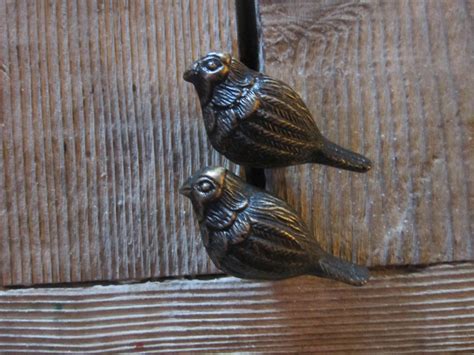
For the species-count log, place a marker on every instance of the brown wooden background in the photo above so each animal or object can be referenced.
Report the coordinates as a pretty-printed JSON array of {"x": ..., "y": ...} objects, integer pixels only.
[
  {"x": 389, "y": 79},
  {"x": 98, "y": 130},
  {"x": 398, "y": 312}
]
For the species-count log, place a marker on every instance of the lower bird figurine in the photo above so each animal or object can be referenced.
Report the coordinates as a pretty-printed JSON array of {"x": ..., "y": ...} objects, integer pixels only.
[{"x": 251, "y": 234}]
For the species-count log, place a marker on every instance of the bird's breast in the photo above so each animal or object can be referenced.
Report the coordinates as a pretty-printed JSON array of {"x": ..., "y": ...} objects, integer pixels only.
[{"x": 209, "y": 117}]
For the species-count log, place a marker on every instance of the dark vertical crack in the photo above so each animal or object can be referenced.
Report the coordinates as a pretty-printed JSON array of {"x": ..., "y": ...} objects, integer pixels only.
[{"x": 250, "y": 49}]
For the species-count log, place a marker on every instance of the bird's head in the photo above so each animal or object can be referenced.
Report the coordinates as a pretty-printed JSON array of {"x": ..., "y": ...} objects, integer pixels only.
[
  {"x": 204, "y": 187},
  {"x": 214, "y": 185},
  {"x": 208, "y": 72}
]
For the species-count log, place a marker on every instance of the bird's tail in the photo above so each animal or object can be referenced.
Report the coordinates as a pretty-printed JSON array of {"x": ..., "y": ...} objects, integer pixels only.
[
  {"x": 334, "y": 268},
  {"x": 333, "y": 155}
]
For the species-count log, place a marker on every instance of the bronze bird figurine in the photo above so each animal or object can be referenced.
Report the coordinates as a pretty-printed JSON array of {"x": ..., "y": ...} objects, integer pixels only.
[
  {"x": 251, "y": 234},
  {"x": 260, "y": 122}
]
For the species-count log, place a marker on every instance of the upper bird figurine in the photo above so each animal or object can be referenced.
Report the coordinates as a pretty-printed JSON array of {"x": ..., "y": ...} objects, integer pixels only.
[
  {"x": 257, "y": 121},
  {"x": 251, "y": 234}
]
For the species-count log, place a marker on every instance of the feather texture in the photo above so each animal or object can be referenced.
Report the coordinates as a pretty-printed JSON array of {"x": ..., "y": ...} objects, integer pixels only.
[
  {"x": 250, "y": 233},
  {"x": 258, "y": 121}
]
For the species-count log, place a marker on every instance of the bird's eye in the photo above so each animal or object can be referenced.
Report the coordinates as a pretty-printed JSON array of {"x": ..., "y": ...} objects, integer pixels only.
[
  {"x": 212, "y": 64},
  {"x": 205, "y": 186}
]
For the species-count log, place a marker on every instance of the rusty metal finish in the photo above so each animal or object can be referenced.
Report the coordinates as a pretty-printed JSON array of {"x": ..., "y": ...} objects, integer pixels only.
[
  {"x": 258, "y": 121},
  {"x": 251, "y": 234}
]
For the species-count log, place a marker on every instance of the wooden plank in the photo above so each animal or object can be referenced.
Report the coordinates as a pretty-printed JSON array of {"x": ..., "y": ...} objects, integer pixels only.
[
  {"x": 392, "y": 80},
  {"x": 428, "y": 310},
  {"x": 97, "y": 132}
]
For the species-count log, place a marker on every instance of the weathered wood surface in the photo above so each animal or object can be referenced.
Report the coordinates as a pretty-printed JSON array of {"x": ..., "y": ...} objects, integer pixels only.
[
  {"x": 97, "y": 131},
  {"x": 429, "y": 310},
  {"x": 393, "y": 80}
]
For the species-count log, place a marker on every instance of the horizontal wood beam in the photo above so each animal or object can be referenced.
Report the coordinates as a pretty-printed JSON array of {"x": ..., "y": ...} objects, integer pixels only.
[{"x": 424, "y": 310}]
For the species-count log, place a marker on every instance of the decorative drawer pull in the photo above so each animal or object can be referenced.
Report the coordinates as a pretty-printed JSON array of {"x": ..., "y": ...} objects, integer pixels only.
[
  {"x": 251, "y": 234},
  {"x": 260, "y": 122}
]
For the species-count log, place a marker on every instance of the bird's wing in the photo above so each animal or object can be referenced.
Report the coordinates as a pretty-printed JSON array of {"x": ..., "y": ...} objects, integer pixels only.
[
  {"x": 275, "y": 223},
  {"x": 284, "y": 105},
  {"x": 280, "y": 116},
  {"x": 275, "y": 243}
]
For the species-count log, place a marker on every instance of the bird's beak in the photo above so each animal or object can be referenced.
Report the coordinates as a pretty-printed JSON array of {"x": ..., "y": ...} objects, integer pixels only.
[
  {"x": 190, "y": 74},
  {"x": 185, "y": 189}
]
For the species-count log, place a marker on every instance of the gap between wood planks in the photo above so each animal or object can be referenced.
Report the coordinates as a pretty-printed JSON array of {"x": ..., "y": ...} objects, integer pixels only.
[
  {"x": 430, "y": 310},
  {"x": 375, "y": 272}
]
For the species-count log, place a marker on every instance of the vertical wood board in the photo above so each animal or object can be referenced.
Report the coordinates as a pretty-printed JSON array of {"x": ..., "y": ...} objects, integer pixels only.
[
  {"x": 392, "y": 80},
  {"x": 97, "y": 132}
]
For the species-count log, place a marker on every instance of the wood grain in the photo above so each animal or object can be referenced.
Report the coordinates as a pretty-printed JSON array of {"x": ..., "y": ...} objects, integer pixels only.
[
  {"x": 427, "y": 310},
  {"x": 97, "y": 132},
  {"x": 392, "y": 80}
]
